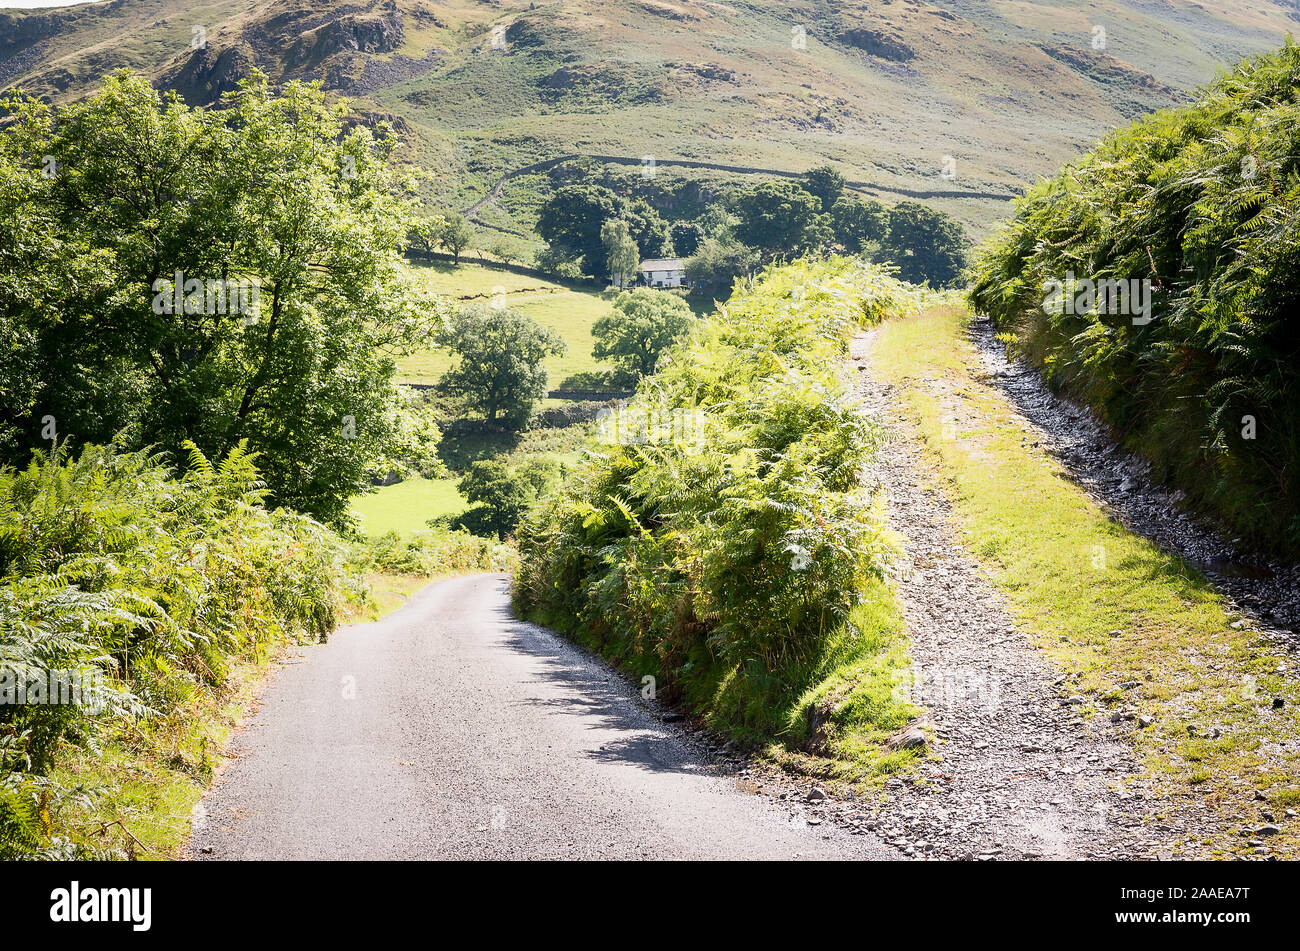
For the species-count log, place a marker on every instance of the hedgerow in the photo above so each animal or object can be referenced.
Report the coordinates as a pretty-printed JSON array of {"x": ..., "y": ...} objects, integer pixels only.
[
  {"x": 720, "y": 534},
  {"x": 146, "y": 586},
  {"x": 1202, "y": 202},
  {"x": 434, "y": 553}
]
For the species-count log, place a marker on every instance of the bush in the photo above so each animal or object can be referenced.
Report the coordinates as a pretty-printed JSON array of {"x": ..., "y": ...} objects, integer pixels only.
[
  {"x": 146, "y": 585},
  {"x": 1200, "y": 203},
  {"x": 719, "y": 535},
  {"x": 500, "y": 495},
  {"x": 434, "y": 553}
]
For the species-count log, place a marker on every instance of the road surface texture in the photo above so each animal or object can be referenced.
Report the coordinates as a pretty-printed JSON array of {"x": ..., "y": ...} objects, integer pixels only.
[{"x": 451, "y": 730}]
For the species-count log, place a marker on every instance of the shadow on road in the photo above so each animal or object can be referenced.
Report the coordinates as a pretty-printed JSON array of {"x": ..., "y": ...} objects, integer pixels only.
[{"x": 592, "y": 688}]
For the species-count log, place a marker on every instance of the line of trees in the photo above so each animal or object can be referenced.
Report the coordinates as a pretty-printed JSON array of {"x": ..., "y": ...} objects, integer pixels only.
[
  {"x": 591, "y": 229},
  {"x": 449, "y": 231}
]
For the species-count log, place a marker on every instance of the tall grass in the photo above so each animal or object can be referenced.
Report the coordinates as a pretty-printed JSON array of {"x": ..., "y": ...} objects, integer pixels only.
[
  {"x": 1204, "y": 203},
  {"x": 721, "y": 536}
]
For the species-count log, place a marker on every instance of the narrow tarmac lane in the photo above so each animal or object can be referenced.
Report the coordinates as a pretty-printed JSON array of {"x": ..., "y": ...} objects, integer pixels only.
[{"x": 451, "y": 730}]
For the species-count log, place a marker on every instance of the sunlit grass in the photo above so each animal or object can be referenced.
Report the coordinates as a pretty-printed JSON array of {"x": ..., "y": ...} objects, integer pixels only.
[
  {"x": 406, "y": 506},
  {"x": 1074, "y": 576},
  {"x": 568, "y": 311}
]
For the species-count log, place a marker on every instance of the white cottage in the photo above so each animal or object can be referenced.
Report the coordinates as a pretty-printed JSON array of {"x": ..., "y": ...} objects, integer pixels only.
[{"x": 665, "y": 272}]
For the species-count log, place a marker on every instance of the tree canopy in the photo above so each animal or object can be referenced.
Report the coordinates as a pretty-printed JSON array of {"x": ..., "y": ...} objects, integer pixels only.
[
  {"x": 687, "y": 237},
  {"x": 500, "y": 495},
  {"x": 621, "y": 254},
  {"x": 498, "y": 370},
  {"x": 571, "y": 220},
  {"x": 643, "y": 323},
  {"x": 927, "y": 245},
  {"x": 717, "y": 263},
  {"x": 826, "y": 184},
  {"x": 780, "y": 217},
  {"x": 860, "y": 225},
  {"x": 455, "y": 234},
  {"x": 214, "y": 276}
]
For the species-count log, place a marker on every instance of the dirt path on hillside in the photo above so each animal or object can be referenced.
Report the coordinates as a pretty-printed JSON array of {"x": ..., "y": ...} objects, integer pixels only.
[{"x": 1022, "y": 775}]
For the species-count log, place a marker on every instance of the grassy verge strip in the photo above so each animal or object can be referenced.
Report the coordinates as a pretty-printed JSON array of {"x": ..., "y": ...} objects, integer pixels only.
[{"x": 1139, "y": 633}]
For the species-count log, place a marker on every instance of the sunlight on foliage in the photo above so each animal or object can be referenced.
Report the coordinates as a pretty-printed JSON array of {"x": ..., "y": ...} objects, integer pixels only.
[
  {"x": 722, "y": 536},
  {"x": 1204, "y": 203}
]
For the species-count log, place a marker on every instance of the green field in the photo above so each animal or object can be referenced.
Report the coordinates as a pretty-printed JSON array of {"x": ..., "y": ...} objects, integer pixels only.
[
  {"x": 405, "y": 506},
  {"x": 568, "y": 311}
]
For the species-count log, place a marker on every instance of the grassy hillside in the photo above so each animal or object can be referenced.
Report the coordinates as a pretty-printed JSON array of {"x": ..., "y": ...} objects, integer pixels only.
[
  {"x": 567, "y": 310},
  {"x": 884, "y": 90}
]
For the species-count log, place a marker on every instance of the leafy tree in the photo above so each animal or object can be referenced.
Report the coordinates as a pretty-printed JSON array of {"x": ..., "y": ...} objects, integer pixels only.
[
  {"x": 826, "y": 183},
  {"x": 552, "y": 260},
  {"x": 718, "y": 263},
  {"x": 507, "y": 251},
  {"x": 455, "y": 235},
  {"x": 780, "y": 217},
  {"x": 423, "y": 235},
  {"x": 859, "y": 225},
  {"x": 621, "y": 254},
  {"x": 927, "y": 245},
  {"x": 142, "y": 193},
  {"x": 687, "y": 236},
  {"x": 498, "y": 370},
  {"x": 571, "y": 220},
  {"x": 648, "y": 228},
  {"x": 501, "y": 495},
  {"x": 642, "y": 325}
]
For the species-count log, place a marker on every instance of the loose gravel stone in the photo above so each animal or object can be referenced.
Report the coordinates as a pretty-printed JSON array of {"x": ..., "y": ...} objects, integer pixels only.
[
  {"x": 1266, "y": 591},
  {"x": 1022, "y": 774}
]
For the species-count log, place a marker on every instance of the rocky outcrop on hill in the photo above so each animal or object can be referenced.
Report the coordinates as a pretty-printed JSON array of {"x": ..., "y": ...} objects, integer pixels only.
[
  {"x": 19, "y": 31},
  {"x": 377, "y": 33},
  {"x": 878, "y": 44},
  {"x": 337, "y": 46},
  {"x": 602, "y": 83},
  {"x": 377, "y": 121},
  {"x": 1104, "y": 68},
  {"x": 210, "y": 72},
  {"x": 22, "y": 42},
  {"x": 709, "y": 71}
]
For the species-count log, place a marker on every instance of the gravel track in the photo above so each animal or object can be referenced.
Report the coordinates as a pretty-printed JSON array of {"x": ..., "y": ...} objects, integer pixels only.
[
  {"x": 1267, "y": 591},
  {"x": 1021, "y": 775},
  {"x": 475, "y": 735}
]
